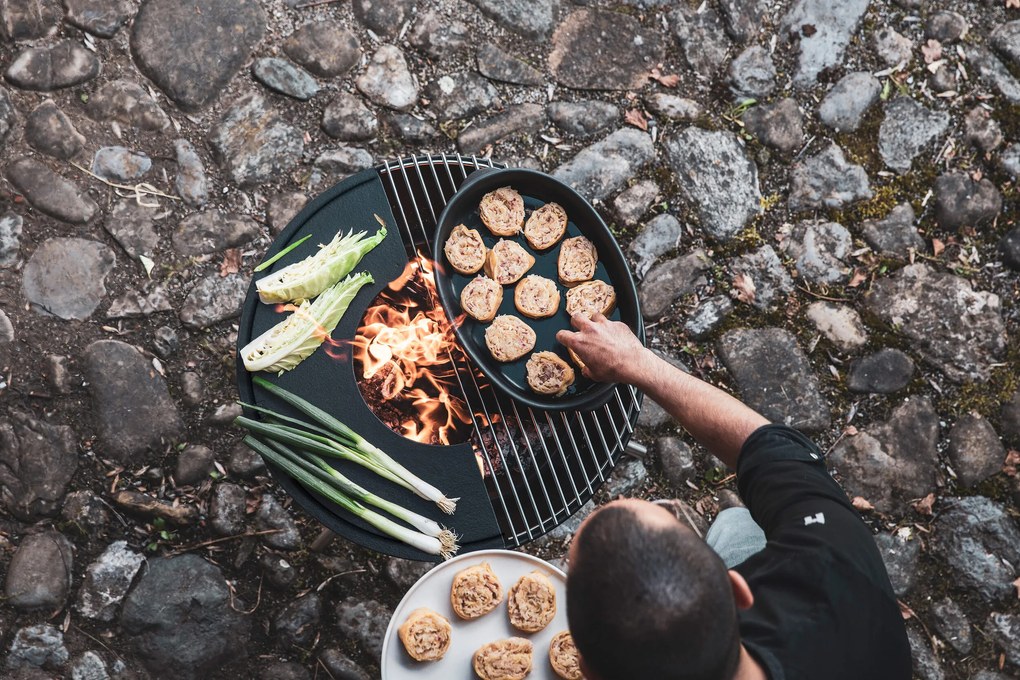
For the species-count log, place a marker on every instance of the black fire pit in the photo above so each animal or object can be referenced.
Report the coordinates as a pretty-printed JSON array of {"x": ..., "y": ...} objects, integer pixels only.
[{"x": 539, "y": 467}]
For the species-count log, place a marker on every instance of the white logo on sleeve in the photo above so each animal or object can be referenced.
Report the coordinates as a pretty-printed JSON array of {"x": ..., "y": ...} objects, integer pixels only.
[{"x": 818, "y": 518}]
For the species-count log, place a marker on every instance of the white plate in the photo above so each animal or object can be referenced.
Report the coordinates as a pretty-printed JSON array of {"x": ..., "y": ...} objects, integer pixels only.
[{"x": 433, "y": 591}]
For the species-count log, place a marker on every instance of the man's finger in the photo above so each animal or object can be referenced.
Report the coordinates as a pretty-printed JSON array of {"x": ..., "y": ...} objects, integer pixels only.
[
  {"x": 598, "y": 317},
  {"x": 580, "y": 321},
  {"x": 566, "y": 338}
]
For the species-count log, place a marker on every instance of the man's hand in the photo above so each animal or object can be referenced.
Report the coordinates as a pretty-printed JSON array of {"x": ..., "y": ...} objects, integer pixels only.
[{"x": 609, "y": 349}]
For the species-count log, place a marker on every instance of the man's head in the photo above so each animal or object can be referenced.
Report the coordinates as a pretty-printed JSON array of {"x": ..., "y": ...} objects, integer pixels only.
[{"x": 647, "y": 598}]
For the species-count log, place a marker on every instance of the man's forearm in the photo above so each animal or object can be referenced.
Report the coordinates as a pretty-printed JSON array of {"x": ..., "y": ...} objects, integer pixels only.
[{"x": 720, "y": 422}]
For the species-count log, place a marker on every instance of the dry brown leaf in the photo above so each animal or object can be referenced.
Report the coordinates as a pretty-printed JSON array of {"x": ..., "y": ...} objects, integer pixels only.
[
  {"x": 924, "y": 506},
  {"x": 858, "y": 278},
  {"x": 1009, "y": 466},
  {"x": 932, "y": 51},
  {"x": 637, "y": 119},
  {"x": 671, "y": 80},
  {"x": 743, "y": 288},
  {"x": 937, "y": 246},
  {"x": 850, "y": 431},
  {"x": 905, "y": 610},
  {"x": 231, "y": 261},
  {"x": 861, "y": 504}
]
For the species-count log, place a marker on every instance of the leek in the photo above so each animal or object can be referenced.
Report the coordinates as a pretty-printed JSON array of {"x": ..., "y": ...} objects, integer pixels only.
[
  {"x": 354, "y": 444},
  {"x": 291, "y": 341},
  {"x": 309, "y": 277},
  {"x": 271, "y": 261},
  {"x": 444, "y": 546}
]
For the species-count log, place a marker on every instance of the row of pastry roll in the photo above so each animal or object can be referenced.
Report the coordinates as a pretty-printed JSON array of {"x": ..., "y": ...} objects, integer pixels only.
[{"x": 477, "y": 591}]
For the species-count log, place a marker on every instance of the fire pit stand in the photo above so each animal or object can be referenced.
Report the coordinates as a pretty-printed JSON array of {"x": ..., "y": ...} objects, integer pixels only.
[{"x": 537, "y": 467}]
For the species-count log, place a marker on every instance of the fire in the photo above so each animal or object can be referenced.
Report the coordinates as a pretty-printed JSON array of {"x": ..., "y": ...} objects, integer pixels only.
[{"x": 406, "y": 344}]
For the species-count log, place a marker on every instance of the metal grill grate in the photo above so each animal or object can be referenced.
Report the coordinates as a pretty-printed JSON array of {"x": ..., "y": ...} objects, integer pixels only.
[{"x": 542, "y": 466}]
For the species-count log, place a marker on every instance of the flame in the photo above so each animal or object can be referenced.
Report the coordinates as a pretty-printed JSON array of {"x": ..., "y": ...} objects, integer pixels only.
[{"x": 408, "y": 347}]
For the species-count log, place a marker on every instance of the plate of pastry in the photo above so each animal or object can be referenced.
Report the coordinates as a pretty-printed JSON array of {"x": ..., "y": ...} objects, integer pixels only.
[
  {"x": 487, "y": 614},
  {"x": 517, "y": 252}
]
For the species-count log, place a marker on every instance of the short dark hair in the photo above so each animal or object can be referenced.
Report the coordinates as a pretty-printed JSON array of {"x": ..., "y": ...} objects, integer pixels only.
[{"x": 650, "y": 601}]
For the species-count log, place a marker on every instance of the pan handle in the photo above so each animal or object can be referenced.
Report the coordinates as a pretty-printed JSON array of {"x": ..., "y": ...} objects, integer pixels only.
[{"x": 476, "y": 176}]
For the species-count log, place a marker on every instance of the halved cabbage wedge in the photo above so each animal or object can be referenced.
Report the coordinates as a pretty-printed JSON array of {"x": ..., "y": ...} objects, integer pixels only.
[
  {"x": 307, "y": 278},
  {"x": 291, "y": 341}
]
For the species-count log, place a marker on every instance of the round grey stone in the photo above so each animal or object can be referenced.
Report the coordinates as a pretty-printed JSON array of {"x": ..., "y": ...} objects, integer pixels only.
[
  {"x": 196, "y": 71},
  {"x": 627, "y": 478},
  {"x": 823, "y": 48},
  {"x": 926, "y": 664},
  {"x": 37, "y": 462},
  {"x": 659, "y": 236},
  {"x": 778, "y": 125},
  {"x": 107, "y": 581},
  {"x": 405, "y": 573},
  {"x": 670, "y": 280},
  {"x": 495, "y": 64},
  {"x": 102, "y": 18},
  {"x": 461, "y": 95},
  {"x": 273, "y": 516},
  {"x": 127, "y": 103},
  {"x": 281, "y": 76},
  {"x": 519, "y": 118},
  {"x": 297, "y": 624},
  {"x": 280, "y": 573},
  {"x": 632, "y": 203},
  {"x": 41, "y": 646},
  {"x": 952, "y": 625},
  {"x": 387, "y": 81},
  {"x": 708, "y": 316},
  {"x": 891, "y": 47},
  {"x": 408, "y": 128},
  {"x": 8, "y": 115},
  {"x": 1005, "y": 631},
  {"x": 194, "y": 464},
  {"x": 130, "y": 400},
  {"x": 50, "y": 131},
  {"x": 440, "y": 36},
  {"x": 900, "y": 553},
  {"x": 827, "y": 180},
  {"x": 283, "y": 207},
  {"x": 254, "y": 144},
  {"x": 1009, "y": 248},
  {"x": 52, "y": 68},
  {"x": 165, "y": 341},
  {"x": 975, "y": 449},
  {"x": 213, "y": 299},
  {"x": 211, "y": 231},
  {"x": 701, "y": 35},
  {"x": 752, "y": 74},
  {"x": 908, "y": 128},
  {"x": 603, "y": 168},
  {"x": 582, "y": 118},
  {"x": 10, "y": 238},
  {"x": 946, "y": 27},
  {"x": 981, "y": 130},
  {"x": 846, "y": 103},
  {"x": 86, "y": 510},
  {"x": 285, "y": 670},
  {"x": 673, "y": 107},
  {"x": 342, "y": 667},
  {"x": 533, "y": 19},
  {"x": 977, "y": 538},
  {"x": 674, "y": 460},
  {"x": 840, "y": 324},
  {"x": 227, "y": 509},
  {"x": 347, "y": 118},
  {"x": 716, "y": 174},
  {"x": 119, "y": 164},
  {"x": 820, "y": 251},
  {"x": 325, "y": 48},
  {"x": 244, "y": 462},
  {"x": 180, "y": 620},
  {"x": 39, "y": 574},
  {"x": 943, "y": 79},
  {"x": 895, "y": 235},
  {"x": 766, "y": 271},
  {"x": 49, "y": 192},
  {"x": 30, "y": 20},
  {"x": 6, "y": 329},
  {"x": 1009, "y": 159},
  {"x": 89, "y": 666},
  {"x": 365, "y": 622},
  {"x": 582, "y": 40},
  {"x": 384, "y": 17},
  {"x": 960, "y": 201},
  {"x": 884, "y": 372},
  {"x": 191, "y": 183},
  {"x": 66, "y": 277}
]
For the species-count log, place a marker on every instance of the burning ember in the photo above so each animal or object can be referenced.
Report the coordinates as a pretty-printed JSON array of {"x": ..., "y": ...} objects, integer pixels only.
[{"x": 403, "y": 350}]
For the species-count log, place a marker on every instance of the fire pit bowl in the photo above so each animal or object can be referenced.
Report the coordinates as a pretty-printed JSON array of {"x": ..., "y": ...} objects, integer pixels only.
[{"x": 519, "y": 472}]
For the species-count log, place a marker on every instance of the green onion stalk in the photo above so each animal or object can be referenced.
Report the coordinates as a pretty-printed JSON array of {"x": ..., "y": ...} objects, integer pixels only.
[
  {"x": 343, "y": 442},
  {"x": 321, "y": 478}
]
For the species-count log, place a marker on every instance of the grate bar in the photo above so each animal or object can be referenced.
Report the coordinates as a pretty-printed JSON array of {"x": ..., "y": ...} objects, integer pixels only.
[{"x": 564, "y": 481}]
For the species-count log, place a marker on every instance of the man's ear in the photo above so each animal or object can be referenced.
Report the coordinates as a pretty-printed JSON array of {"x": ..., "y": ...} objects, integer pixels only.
[{"x": 741, "y": 591}]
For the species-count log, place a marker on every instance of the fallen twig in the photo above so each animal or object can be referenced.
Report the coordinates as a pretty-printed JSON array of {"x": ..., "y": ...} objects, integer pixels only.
[
  {"x": 137, "y": 190},
  {"x": 315, "y": 3},
  {"x": 224, "y": 539}
]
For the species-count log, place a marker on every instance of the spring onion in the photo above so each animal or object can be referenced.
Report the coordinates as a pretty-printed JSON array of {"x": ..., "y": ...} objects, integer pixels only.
[
  {"x": 359, "y": 446},
  {"x": 309, "y": 277},
  {"x": 268, "y": 263},
  {"x": 444, "y": 546},
  {"x": 291, "y": 341}
]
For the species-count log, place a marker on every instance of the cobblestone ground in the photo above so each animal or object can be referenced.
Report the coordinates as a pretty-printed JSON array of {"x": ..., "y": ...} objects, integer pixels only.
[{"x": 819, "y": 199}]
